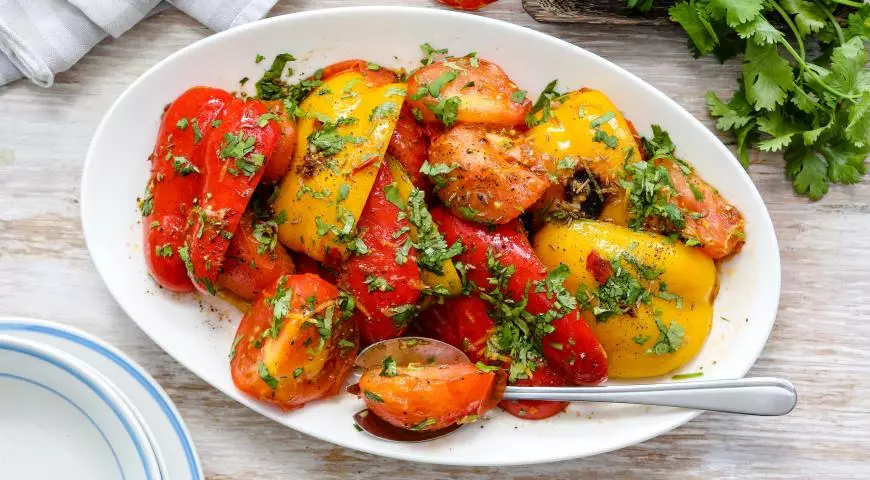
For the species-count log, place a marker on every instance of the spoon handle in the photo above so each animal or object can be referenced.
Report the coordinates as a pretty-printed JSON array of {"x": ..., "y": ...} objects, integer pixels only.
[{"x": 750, "y": 396}]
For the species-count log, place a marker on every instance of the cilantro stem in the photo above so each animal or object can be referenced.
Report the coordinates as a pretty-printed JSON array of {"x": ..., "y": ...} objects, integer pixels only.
[
  {"x": 833, "y": 20},
  {"x": 801, "y": 59},
  {"x": 848, "y": 3}
]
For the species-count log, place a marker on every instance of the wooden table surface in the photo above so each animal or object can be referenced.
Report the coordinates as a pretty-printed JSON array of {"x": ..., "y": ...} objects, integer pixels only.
[{"x": 820, "y": 340}]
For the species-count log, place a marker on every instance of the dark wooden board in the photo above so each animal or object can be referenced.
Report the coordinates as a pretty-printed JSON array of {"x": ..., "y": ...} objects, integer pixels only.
[{"x": 612, "y": 12}]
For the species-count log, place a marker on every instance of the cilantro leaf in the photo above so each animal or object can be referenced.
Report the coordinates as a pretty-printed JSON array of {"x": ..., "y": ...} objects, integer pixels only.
[
  {"x": 269, "y": 87},
  {"x": 696, "y": 25},
  {"x": 732, "y": 115},
  {"x": 767, "y": 76},
  {"x": 735, "y": 12}
]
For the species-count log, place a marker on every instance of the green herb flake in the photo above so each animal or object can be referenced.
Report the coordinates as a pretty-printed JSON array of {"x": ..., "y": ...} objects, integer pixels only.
[
  {"x": 389, "y": 367},
  {"x": 182, "y": 123},
  {"x": 376, "y": 283},
  {"x": 683, "y": 376},
  {"x": 423, "y": 425},
  {"x": 373, "y": 396},
  {"x": 518, "y": 96},
  {"x": 267, "y": 377},
  {"x": 164, "y": 250}
]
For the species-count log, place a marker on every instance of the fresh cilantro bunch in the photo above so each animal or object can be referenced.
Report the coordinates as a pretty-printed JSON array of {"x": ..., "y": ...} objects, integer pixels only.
[{"x": 805, "y": 88}]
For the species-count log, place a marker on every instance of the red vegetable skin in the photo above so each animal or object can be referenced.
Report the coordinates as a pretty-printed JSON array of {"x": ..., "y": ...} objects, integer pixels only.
[
  {"x": 230, "y": 180},
  {"x": 431, "y": 397},
  {"x": 280, "y": 160},
  {"x": 372, "y": 73},
  {"x": 598, "y": 267},
  {"x": 467, "y": 4},
  {"x": 572, "y": 348},
  {"x": 173, "y": 190},
  {"x": 488, "y": 101},
  {"x": 250, "y": 266},
  {"x": 410, "y": 146},
  {"x": 543, "y": 376},
  {"x": 388, "y": 301},
  {"x": 462, "y": 321},
  {"x": 292, "y": 360}
]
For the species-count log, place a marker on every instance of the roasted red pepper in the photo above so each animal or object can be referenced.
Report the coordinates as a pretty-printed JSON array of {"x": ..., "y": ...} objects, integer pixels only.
[
  {"x": 176, "y": 179},
  {"x": 386, "y": 279},
  {"x": 236, "y": 154},
  {"x": 462, "y": 321},
  {"x": 572, "y": 348}
]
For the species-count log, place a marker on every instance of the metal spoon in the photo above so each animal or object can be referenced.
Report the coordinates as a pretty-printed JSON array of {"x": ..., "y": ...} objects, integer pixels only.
[{"x": 748, "y": 396}]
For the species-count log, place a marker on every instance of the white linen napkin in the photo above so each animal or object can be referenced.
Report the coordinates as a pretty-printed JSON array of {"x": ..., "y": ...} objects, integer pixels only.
[{"x": 40, "y": 38}]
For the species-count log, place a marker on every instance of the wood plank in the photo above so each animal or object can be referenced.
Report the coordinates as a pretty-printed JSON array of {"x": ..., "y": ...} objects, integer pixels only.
[{"x": 819, "y": 340}]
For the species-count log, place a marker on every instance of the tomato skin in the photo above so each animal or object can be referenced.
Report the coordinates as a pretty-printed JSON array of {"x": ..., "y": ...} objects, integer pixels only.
[
  {"x": 173, "y": 193},
  {"x": 488, "y": 101},
  {"x": 411, "y": 147},
  {"x": 376, "y": 227},
  {"x": 467, "y": 4},
  {"x": 225, "y": 195},
  {"x": 238, "y": 275},
  {"x": 381, "y": 76},
  {"x": 721, "y": 228},
  {"x": 495, "y": 176},
  {"x": 581, "y": 358},
  {"x": 322, "y": 372},
  {"x": 462, "y": 321},
  {"x": 282, "y": 157},
  {"x": 543, "y": 376},
  {"x": 430, "y": 397}
]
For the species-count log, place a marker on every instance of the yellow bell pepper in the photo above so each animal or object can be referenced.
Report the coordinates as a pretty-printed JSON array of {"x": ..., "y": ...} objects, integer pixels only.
[
  {"x": 341, "y": 144},
  {"x": 657, "y": 335},
  {"x": 450, "y": 278},
  {"x": 586, "y": 129}
]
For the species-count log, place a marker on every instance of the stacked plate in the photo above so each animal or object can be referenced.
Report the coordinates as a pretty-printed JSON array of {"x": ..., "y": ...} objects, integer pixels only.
[{"x": 74, "y": 407}]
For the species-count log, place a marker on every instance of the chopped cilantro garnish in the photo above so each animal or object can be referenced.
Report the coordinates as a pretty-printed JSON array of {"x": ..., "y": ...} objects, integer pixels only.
[
  {"x": 270, "y": 86},
  {"x": 541, "y": 111},
  {"x": 297, "y": 372},
  {"x": 424, "y": 424},
  {"x": 384, "y": 110},
  {"x": 267, "y": 377},
  {"x": 430, "y": 52},
  {"x": 486, "y": 368},
  {"x": 197, "y": 133},
  {"x": 232, "y": 354},
  {"x": 607, "y": 139},
  {"x": 183, "y": 166},
  {"x": 518, "y": 96},
  {"x": 597, "y": 122},
  {"x": 683, "y": 376},
  {"x": 389, "y": 367},
  {"x": 328, "y": 140},
  {"x": 164, "y": 250},
  {"x": 393, "y": 195},
  {"x": 436, "y": 85},
  {"x": 373, "y": 396},
  {"x": 649, "y": 193},
  {"x": 670, "y": 339},
  {"x": 446, "y": 110},
  {"x": 182, "y": 123},
  {"x": 402, "y": 314},
  {"x": 641, "y": 339},
  {"x": 263, "y": 119},
  {"x": 373, "y": 66},
  {"x": 376, "y": 283},
  {"x": 259, "y": 58}
]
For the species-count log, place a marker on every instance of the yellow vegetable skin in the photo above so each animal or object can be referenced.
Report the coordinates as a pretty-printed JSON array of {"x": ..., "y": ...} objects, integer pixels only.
[
  {"x": 686, "y": 271},
  {"x": 449, "y": 279},
  {"x": 571, "y": 132},
  {"x": 322, "y": 194}
]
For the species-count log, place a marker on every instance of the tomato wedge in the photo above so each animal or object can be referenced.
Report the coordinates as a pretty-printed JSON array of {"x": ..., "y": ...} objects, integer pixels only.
[
  {"x": 430, "y": 397},
  {"x": 478, "y": 90},
  {"x": 296, "y": 344},
  {"x": 282, "y": 157},
  {"x": 410, "y": 146},
  {"x": 386, "y": 279},
  {"x": 543, "y": 376},
  {"x": 711, "y": 220},
  {"x": 235, "y": 155},
  {"x": 176, "y": 179},
  {"x": 467, "y": 4},
  {"x": 254, "y": 259}
]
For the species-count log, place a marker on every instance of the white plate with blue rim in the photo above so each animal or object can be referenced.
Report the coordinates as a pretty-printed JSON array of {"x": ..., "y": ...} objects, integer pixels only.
[{"x": 164, "y": 431}]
